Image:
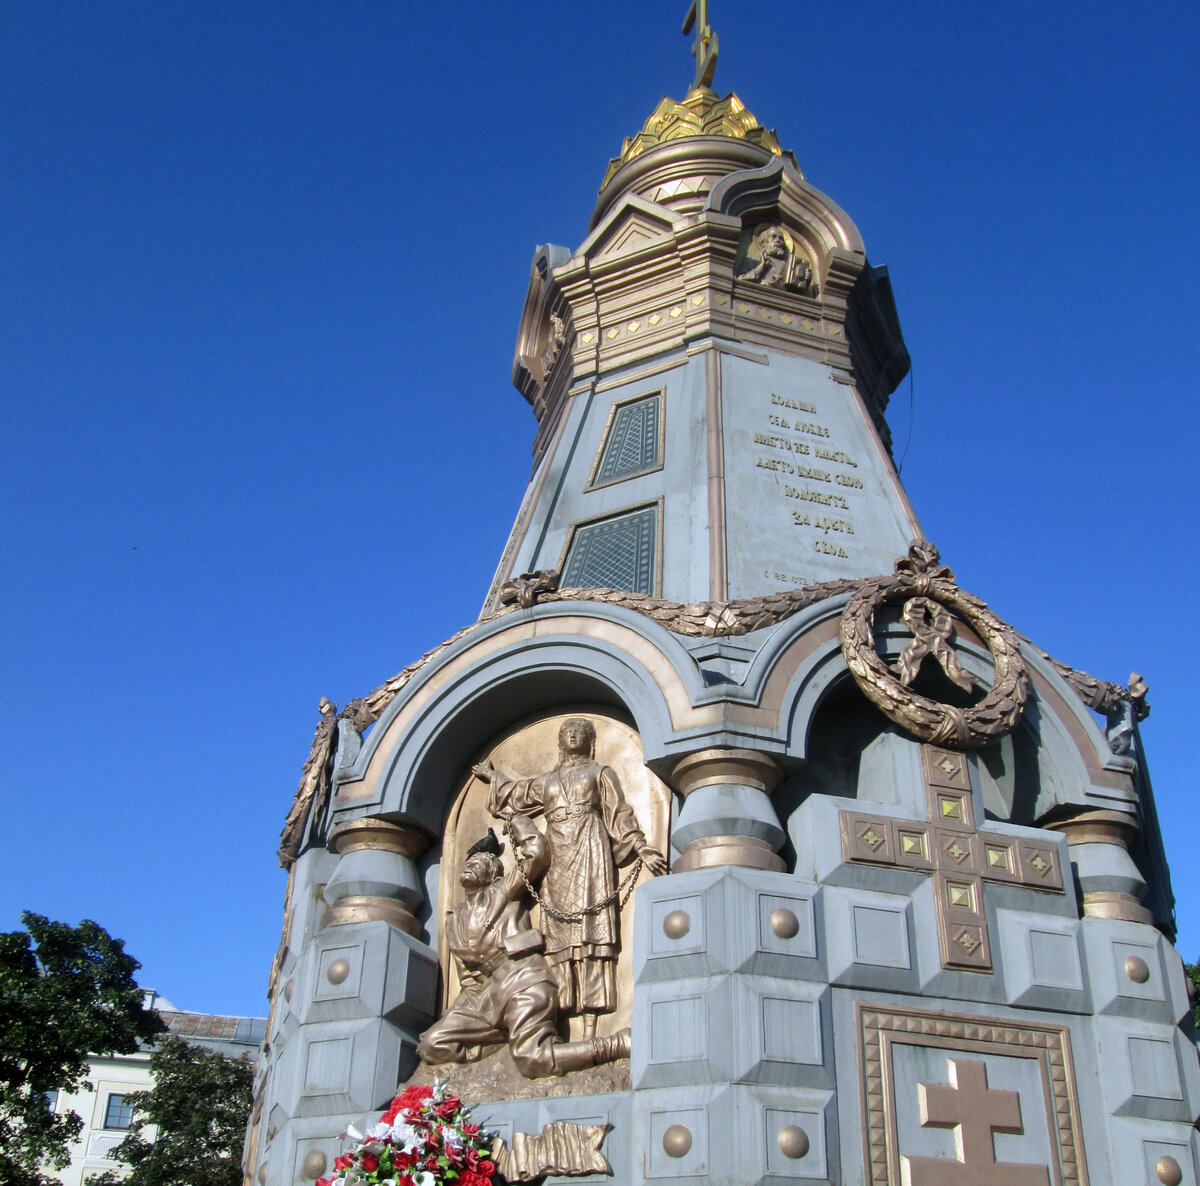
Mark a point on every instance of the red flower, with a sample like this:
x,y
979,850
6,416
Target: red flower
x,y
405,1161
370,1162
446,1109
412,1097
344,1162
472,1178
431,1162
324,1182
487,1168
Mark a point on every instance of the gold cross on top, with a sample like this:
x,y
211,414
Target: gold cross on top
x,y
704,48
958,856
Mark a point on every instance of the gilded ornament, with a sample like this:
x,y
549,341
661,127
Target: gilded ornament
x,y
262,1173
677,1140
337,971
314,1164
676,924
1169,1171
560,1148
793,1141
701,113
1137,969
784,923
919,576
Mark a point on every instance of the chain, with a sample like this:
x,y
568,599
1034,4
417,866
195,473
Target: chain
x,y
622,890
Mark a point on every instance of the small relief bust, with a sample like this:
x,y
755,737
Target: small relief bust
x,y
772,259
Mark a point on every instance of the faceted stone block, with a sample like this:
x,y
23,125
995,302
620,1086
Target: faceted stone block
x,y
1041,962
340,1067
712,921
1139,1145
780,1031
368,969
1128,966
790,1136
673,1033
869,939
1150,1070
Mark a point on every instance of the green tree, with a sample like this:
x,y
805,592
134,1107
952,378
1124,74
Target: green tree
x,y
65,992
199,1103
1192,972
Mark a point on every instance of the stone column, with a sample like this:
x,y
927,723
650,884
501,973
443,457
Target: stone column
x,y
376,878
727,817
1099,843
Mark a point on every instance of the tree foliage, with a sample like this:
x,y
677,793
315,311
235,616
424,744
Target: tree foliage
x,y
200,1102
1192,972
65,992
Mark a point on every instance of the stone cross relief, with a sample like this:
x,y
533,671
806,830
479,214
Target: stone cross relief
x,y
958,856
975,1112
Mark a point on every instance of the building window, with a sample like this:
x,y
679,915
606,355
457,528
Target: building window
x,y
617,552
52,1101
633,441
119,1112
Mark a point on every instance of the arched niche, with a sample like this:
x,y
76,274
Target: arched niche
x,y
778,193
1056,761
505,672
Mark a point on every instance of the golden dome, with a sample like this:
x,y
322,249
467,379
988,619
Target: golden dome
x,y
702,113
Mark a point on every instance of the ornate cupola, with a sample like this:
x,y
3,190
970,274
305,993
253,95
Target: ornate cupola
x,y
710,371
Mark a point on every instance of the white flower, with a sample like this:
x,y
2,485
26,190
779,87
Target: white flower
x,y
380,1132
424,1178
452,1138
353,1133
406,1137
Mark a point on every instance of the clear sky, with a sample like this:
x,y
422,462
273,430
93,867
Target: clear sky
x,y
260,272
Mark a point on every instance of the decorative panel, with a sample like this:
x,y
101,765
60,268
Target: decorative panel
x,y
633,441
617,552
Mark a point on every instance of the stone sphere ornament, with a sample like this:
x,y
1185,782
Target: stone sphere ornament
x,y
677,1140
676,924
337,971
793,1141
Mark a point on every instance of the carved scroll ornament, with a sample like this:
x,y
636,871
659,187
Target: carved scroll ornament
x,y
919,576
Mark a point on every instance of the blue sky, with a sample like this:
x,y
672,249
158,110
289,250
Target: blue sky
x,y
262,268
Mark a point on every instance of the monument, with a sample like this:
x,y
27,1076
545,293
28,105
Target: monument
x,y
735,842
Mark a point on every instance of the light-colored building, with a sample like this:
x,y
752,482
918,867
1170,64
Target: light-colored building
x,y
104,1103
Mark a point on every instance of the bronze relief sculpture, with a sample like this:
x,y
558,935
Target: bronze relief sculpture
x,y
589,827
536,946
509,993
772,260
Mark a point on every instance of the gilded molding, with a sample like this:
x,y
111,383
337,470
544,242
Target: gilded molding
x,y
713,767
744,851
378,834
365,908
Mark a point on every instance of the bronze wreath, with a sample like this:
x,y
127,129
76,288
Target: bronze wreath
x,y
919,575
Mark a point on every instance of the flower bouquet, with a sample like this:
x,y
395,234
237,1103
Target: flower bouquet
x,y
425,1138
